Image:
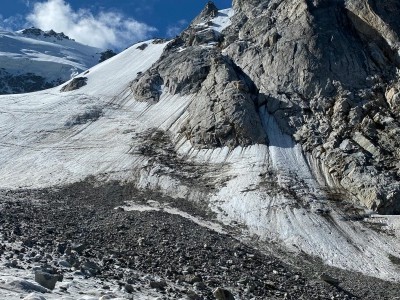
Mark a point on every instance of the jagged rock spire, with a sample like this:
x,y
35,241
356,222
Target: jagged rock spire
x,y
209,11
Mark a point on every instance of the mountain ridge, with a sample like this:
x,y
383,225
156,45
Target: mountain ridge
x,y
33,60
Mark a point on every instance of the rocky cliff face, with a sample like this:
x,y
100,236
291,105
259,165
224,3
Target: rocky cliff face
x,y
327,70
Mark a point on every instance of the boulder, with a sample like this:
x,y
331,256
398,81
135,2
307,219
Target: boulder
x,y
329,279
223,294
159,285
46,280
26,286
74,84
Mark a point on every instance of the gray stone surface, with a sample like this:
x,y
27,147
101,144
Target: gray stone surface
x,y
327,70
223,294
226,114
26,286
74,84
46,280
210,11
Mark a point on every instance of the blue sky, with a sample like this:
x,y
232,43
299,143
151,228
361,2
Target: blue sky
x,y
119,22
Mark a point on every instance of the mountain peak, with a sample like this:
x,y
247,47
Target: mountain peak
x,y
209,11
33,59
37,32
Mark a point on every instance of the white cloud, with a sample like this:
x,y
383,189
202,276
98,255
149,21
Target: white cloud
x,y
12,23
104,30
177,28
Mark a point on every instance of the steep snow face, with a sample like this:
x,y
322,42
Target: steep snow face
x,y
51,138
53,57
222,20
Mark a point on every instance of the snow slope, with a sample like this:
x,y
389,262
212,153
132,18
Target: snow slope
x,y
222,20
275,190
51,56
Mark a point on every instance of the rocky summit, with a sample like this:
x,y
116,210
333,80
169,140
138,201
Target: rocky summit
x,y
254,156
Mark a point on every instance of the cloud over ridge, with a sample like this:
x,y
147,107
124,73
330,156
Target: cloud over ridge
x,y
104,30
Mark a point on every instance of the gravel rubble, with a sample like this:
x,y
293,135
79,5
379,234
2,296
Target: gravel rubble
x,y
78,232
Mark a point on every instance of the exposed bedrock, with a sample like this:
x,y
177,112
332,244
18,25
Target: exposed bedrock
x,y
210,11
74,84
326,69
224,112
330,72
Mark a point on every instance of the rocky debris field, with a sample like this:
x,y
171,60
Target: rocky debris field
x,y
81,234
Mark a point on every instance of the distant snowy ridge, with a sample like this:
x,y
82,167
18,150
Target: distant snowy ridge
x,y
32,60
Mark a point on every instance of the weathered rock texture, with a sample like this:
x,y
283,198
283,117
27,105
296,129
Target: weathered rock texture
x,y
74,84
210,11
327,70
229,116
24,83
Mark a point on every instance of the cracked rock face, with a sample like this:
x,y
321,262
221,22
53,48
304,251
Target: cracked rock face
x,y
226,114
327,70
210,11
74,84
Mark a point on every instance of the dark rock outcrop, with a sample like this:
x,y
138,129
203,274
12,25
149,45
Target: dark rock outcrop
x,y
210,11
226,115
106,55
74,84
46,280
47,34
24,83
